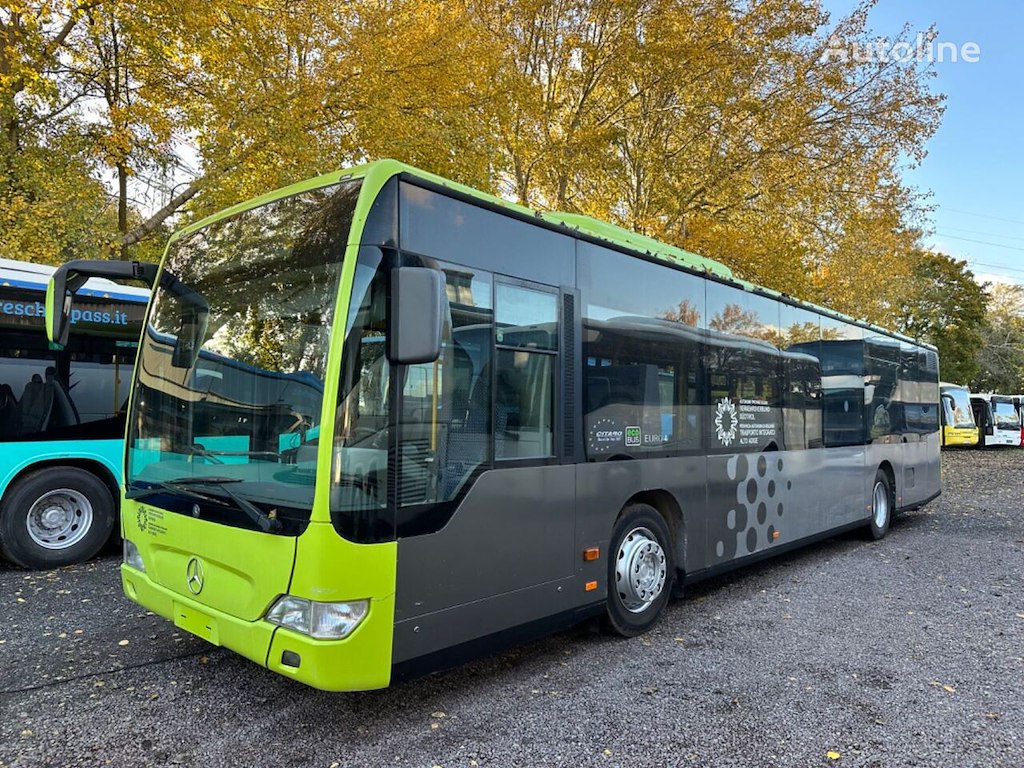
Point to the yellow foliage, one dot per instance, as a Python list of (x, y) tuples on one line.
[(716, 126)]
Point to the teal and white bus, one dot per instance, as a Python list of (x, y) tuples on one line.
[(62, 416), (456, 422)]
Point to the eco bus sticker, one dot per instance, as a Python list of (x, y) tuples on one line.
[(634, 436)]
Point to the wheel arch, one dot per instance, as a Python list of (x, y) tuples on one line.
[(886, 466)]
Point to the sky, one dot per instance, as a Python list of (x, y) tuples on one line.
[(974, 169)]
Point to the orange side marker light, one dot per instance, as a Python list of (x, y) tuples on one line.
[(591, 586), (591, 553)]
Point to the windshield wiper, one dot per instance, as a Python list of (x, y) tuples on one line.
[(178, 485), (206, 453), (268, 523)]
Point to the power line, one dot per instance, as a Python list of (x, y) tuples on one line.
[(982, 242), (994, 266), (986, 234), (981, 215)]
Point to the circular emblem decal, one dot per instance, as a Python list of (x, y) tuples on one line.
[(605, 435), (725, 421), (142, 519), (194, 576)]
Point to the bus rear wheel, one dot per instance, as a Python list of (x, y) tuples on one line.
[(640, 571), (881, 506), (55, 516)]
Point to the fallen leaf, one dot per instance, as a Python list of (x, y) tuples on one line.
[(122, 643), (833, 755), (949, 689), (437, 714)]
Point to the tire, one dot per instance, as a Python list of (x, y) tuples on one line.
[(640, 571), (881, 506), (55, 516)]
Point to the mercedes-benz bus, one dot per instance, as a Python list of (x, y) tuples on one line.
[(62, 416), (499, 422)]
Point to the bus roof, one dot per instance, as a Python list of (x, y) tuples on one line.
[(577, 224), (23, 274)]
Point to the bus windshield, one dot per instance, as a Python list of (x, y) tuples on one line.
[(957, 403), (229, 386), (1006, 416)]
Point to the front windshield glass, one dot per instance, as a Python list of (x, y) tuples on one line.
[(1006, 415), (230, 379), (959, 414)]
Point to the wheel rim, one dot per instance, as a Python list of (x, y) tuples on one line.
[(59, 518), (640, 570), (880, 504)]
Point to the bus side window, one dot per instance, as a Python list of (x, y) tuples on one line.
[(526, 339)]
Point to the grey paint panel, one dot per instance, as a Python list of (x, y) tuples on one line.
[(446, 628), (512, 553), (513, 530)]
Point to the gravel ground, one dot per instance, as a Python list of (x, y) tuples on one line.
[(904, 652)]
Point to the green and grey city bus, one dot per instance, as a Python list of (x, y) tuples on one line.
[(381, 421)]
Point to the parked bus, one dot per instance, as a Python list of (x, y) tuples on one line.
[(998, 420), (62, 416), (1018, 401), (958, 425), (522, 420)]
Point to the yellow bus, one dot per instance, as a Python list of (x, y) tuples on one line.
[(958, 425)]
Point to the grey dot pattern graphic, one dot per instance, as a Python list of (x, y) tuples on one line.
[(762, 495)]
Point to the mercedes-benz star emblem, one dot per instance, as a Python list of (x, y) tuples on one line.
[(194, 576)]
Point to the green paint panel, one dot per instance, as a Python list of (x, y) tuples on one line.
[(243, 571), (250, 639)]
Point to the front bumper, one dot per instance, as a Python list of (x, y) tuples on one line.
[(361, 661)]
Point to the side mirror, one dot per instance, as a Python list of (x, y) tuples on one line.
[(192, 324), (415, 316), (58, 321), (66, 281), (190, 336)]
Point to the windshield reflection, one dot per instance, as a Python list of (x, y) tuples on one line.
[(231, 369)]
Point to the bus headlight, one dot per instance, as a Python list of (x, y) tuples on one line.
[(132, 556), (324, 621)]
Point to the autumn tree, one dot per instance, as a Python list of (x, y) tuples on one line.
[(725, 127), (1001, 357), (944, 306), (51, 202)]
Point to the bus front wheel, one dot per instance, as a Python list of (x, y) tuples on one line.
[(640, 571), (55, 516), (881, 506)]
